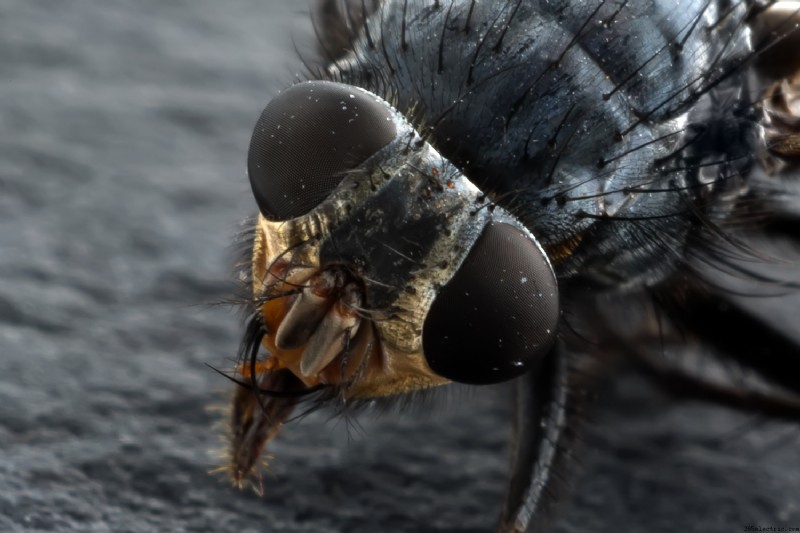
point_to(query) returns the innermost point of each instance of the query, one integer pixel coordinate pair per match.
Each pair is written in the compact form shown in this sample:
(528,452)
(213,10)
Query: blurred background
(124,128)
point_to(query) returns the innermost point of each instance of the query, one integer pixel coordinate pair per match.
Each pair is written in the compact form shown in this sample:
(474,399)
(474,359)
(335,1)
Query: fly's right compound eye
(306,141)
(497,316)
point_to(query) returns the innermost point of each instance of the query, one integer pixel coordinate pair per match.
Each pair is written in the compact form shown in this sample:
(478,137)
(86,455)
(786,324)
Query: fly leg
(715,345)
(259,408)
(781,124)
(548,404)
(776,33)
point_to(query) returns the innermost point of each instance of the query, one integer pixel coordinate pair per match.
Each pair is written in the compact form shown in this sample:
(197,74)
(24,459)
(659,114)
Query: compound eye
(306,141)
(497,317)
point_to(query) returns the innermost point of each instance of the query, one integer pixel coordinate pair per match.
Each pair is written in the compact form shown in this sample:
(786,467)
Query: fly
(477,192)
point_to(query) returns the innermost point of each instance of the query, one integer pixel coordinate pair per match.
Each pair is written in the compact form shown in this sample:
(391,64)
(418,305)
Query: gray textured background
(123,135)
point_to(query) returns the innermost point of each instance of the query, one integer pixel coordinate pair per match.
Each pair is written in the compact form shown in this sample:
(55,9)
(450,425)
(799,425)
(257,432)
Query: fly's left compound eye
(497,317)
(307,139)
